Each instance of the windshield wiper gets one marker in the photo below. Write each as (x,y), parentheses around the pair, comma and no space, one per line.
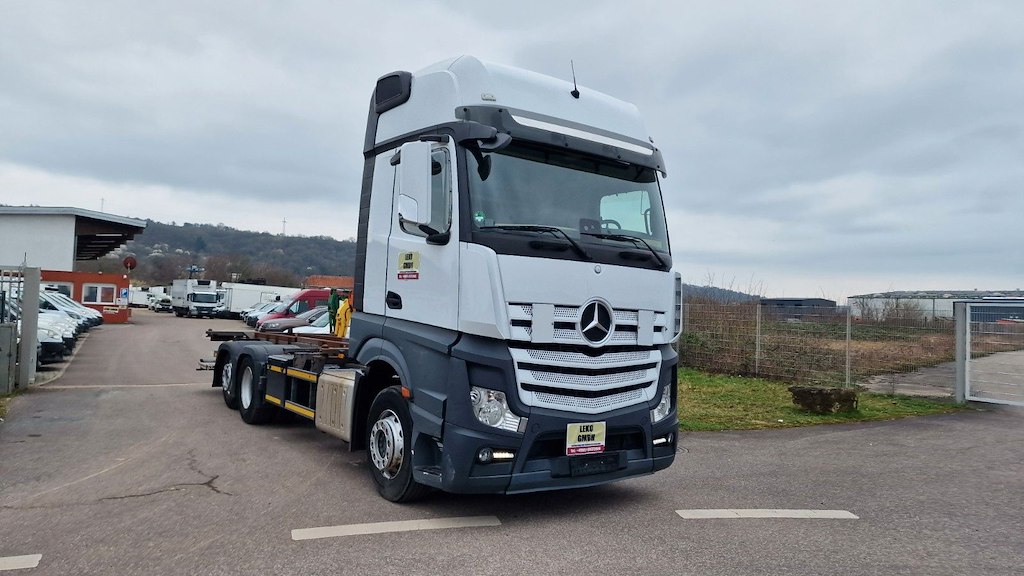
(633,239)
(541,229)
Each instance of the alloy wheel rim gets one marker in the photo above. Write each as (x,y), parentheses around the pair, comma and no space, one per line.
(387,444)
(225,377)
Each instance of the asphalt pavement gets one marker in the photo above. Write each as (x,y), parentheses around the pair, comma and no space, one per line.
(130,463)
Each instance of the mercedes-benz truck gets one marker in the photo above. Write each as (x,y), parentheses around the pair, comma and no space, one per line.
(514,304)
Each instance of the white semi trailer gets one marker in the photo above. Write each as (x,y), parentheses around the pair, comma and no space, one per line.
(514,300)
(236,297)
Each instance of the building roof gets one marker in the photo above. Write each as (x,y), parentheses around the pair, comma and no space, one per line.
(946,294)
(810,301)
(325,281)
(96,233)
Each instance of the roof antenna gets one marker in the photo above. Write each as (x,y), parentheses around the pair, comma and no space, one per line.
(575,92)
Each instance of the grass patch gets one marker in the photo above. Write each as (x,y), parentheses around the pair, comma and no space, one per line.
(718,402)
(5,400)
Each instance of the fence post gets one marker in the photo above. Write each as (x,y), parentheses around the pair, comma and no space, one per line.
(29,325)
(961,325)
(757,343)
(849,335)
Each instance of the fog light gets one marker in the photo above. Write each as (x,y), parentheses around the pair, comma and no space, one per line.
(489,455)
(667,439)
(503,455)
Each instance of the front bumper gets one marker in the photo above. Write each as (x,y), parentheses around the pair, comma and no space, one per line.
(541,463)
(51,351)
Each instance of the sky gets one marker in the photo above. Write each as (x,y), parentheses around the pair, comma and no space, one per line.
(814,149)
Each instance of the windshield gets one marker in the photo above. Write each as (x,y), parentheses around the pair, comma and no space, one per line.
(204,297)
(311,313)
(587,198)
(66,300)
(321,320)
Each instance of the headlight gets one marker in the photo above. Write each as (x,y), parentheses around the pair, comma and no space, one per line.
(50,333)
(491,408)
(270,325)
(664,408)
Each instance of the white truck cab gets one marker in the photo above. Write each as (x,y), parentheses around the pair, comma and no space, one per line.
(514,279)
(514,305)
(193,297)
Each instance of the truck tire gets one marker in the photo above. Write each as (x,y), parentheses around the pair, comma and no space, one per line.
(389,447)
(229,384)
(253,407)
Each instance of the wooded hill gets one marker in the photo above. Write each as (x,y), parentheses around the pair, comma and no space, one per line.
(166,251)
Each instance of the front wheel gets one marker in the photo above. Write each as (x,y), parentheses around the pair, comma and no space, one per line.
(389,447)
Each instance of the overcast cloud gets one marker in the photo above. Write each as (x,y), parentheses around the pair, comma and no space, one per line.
(813,148)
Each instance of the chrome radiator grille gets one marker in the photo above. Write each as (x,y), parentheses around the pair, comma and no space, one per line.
(576,378)
(558,324)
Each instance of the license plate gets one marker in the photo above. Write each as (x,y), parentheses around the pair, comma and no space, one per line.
(584,438)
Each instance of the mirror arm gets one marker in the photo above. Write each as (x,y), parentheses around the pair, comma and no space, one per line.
(439,239)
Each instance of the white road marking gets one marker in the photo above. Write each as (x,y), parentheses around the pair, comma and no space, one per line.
(398,526)
(765,513)
(19,562)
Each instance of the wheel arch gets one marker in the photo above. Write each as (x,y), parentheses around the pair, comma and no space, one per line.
(386,366)
(226,352)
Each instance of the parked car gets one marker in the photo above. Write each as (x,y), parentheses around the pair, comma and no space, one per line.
(162,303)
(74,309)
(263,313)
(321,325)
(285,324)
(302,300)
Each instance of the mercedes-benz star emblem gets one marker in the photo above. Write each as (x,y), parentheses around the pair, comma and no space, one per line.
(596,322)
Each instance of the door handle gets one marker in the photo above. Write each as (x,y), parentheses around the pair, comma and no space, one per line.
(394,301)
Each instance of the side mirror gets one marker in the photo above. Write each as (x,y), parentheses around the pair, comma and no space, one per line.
(414,172)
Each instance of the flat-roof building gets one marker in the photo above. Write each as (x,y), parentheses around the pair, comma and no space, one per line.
(54,238)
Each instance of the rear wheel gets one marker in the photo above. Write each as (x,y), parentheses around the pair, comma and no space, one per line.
(253,408)
(228,384)
(389,447)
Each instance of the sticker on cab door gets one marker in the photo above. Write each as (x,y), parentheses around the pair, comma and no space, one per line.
(408,265)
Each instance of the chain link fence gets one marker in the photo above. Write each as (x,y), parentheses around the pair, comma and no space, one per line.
(902,352)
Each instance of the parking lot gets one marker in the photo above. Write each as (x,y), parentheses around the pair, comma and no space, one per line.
(129,463)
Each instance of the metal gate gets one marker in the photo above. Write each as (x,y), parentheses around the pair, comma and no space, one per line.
(990,351)
(19,315)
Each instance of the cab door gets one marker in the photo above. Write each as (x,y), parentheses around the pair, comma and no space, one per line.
(423,256)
